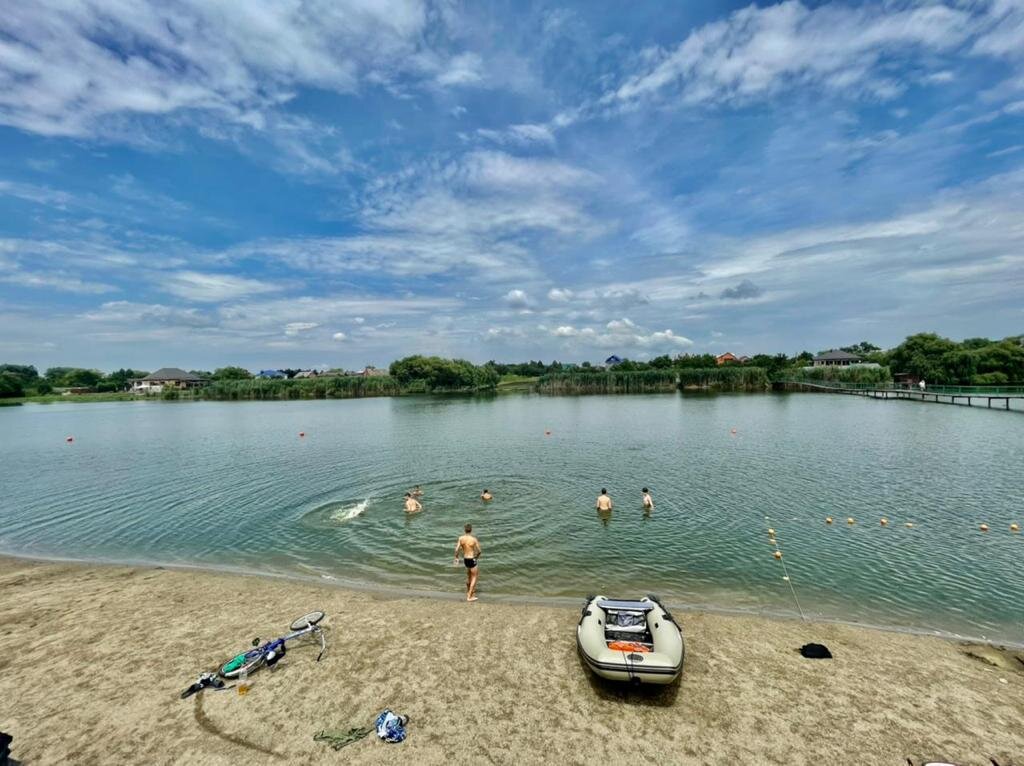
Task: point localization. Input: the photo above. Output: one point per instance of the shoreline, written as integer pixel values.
(104, 651)
(507, 599)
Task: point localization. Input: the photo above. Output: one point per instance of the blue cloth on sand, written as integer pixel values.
(391, 727)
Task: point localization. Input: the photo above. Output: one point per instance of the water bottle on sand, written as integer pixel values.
(243, 682)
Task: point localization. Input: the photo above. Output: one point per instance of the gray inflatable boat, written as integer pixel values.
(630, 640)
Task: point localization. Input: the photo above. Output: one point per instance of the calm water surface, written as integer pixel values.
(233, 484)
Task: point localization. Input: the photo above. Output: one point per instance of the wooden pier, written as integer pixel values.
(968, 396)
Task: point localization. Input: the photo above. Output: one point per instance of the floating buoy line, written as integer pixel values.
(785, 572)
(983, 527)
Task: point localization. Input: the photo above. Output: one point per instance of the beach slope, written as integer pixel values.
(93, 658)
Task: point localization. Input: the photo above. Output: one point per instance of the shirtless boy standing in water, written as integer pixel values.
(469, 547)
(648, 502)
(411, 504)
(604, 503)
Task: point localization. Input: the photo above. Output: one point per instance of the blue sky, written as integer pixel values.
(199, 183)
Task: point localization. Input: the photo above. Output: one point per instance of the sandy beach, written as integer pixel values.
(93, 659)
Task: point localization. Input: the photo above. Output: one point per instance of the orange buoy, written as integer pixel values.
(828, 519)
(983, 527)
(547, 433)
(884, 522)
(302, 433)
(1015, 527)
(70, 439)
(733, 431)
(849, 520)
(777, 554)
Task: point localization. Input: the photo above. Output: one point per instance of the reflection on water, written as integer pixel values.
(233, 485)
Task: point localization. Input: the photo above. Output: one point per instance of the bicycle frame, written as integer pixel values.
(277, 643)
(266, 652)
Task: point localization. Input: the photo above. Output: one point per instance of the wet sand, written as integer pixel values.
(93, 659)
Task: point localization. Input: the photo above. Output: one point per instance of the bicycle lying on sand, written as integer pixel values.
(268, 653)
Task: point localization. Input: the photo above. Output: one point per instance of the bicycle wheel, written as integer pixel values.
(247, 662)
(312, 618)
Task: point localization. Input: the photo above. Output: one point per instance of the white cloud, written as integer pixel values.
(339, 336)
(212, 288)
(517, 299)
(622, 334)
(358, 320)
(464, 69)
(75, 68)
(757, 51)
(295, 328)
(560, 295)
(523, 134)
(55, 281)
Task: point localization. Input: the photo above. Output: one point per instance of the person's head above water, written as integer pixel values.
(604, 491)
(646, 490)
(408, 494)
(468, 528)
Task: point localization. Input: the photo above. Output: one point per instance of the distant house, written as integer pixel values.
(271, 374)
(728, 356)
(743, 359)
(835, 359)
(166, 377)
(372, 372)
(612, 360)
(306, 374)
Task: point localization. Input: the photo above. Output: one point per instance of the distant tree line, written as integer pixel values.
(927, 356)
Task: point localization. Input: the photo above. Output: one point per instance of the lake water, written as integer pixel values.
(234, 485)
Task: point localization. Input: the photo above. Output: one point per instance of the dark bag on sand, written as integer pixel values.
(5, 747)
(815, 652)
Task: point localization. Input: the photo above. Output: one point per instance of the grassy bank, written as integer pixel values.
(258, 389)
(655, 381)
(863, 375)
(107, 396)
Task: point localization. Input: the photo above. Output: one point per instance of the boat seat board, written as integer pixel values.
(625, 606)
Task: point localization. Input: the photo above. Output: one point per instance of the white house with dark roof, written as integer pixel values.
(166, 377)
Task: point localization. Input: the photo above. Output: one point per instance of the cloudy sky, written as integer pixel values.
(340, 182)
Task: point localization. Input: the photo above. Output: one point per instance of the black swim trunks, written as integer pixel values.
(470, 563)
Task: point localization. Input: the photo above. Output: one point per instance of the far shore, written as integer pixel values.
(94, 658)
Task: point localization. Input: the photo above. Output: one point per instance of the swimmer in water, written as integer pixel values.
(411, 504)
(416, 491)
(604, 503)
(486, 495)
(648, 502)
(469, 547)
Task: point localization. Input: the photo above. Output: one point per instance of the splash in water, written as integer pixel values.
(346, 513)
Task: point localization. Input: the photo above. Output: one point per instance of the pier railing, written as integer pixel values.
(959, 390)
(970, 396)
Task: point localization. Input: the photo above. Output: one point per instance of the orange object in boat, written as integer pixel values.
(627, 646)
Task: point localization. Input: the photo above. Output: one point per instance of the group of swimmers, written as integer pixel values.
(468, 546)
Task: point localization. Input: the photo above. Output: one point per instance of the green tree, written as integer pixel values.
(26, 373)
(10, 385)
(231, 373)
(121, 379)
(73, 377)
